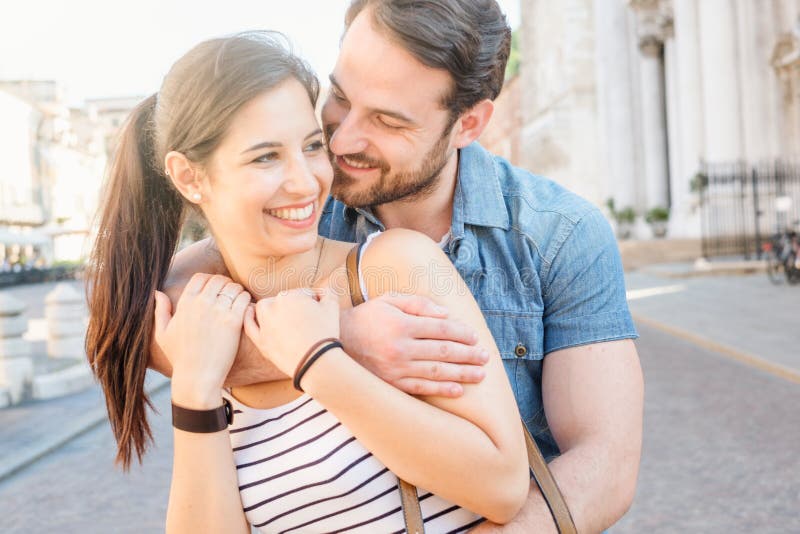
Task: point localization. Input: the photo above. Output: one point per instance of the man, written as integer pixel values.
(411, 92)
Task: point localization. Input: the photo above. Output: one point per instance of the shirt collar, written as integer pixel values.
(478, 197)
(351, 215)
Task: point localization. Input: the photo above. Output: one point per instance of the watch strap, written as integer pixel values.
(202, 421)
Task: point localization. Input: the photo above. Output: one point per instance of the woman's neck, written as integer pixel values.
(266, 276)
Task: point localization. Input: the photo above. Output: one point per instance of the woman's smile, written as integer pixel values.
(297, 216)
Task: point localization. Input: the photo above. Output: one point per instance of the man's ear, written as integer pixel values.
(472, 122)
(184, 176)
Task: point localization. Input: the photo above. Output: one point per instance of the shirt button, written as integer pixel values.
(521, 350)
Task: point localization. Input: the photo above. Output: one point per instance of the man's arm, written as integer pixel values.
(593, 399)
(418, 350)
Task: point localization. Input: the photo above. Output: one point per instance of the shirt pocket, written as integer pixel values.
(518, 335)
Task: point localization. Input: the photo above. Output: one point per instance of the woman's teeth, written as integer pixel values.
(293, 214)
(356, 164)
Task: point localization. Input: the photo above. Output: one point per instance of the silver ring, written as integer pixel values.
(226, 296)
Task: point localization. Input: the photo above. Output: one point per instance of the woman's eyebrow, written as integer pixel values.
(273, 144)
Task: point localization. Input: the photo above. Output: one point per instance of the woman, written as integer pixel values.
(232, 133)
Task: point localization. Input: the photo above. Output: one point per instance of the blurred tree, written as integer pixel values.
(512, 67)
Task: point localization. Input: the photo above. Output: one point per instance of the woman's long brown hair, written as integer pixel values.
(142, 213)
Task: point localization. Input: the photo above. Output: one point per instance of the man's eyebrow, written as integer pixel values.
(273, 144)
(389, 113)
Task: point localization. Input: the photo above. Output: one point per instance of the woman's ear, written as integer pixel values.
(184, 176)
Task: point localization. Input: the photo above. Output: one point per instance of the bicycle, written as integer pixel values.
(782, 253)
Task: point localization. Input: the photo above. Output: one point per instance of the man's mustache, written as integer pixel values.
(358, 157)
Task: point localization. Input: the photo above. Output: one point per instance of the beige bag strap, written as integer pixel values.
(547, 484)
(352, 276)
(541, 473)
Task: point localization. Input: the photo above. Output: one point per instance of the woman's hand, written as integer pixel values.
(201, 338)
(286, 326)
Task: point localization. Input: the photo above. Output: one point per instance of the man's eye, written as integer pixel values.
(389, 124)
(270, 156)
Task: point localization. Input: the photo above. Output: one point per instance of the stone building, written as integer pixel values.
(55, 157)
(627, 99)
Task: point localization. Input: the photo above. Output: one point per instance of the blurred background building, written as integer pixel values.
(53, 157)
(661, 105)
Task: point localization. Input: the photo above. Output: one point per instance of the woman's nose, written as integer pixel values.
(300, 179)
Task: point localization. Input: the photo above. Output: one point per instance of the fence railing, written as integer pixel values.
(743, 205)
(37, 276)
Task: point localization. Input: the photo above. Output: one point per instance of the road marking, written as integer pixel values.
(775, 369)
(635, 294)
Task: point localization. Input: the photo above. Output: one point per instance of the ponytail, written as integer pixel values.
(138, 232)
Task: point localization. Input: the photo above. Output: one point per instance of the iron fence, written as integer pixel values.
(742, 205)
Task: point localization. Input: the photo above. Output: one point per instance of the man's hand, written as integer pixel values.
(409, 342)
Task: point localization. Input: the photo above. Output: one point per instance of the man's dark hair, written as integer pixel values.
(470, 39)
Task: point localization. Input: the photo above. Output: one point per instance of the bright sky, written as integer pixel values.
(100, 48)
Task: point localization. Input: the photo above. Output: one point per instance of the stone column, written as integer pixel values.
(722, 108)
(614, 99)
(654, 118)
(66, 323)
(16, 365)
(758, 81)
(685, 218)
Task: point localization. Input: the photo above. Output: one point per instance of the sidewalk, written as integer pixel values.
(702, 267)
(744, 317)
(33, 429)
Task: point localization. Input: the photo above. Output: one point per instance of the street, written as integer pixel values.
(720, 441)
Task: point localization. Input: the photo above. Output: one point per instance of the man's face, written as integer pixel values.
(388, 132)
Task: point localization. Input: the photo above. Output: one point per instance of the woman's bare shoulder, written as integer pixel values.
(404, 261)
(402, 247)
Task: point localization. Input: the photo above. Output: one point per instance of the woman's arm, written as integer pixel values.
(468, 450)
(204, 494)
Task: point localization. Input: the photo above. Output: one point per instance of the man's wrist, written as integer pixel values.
(345, 329)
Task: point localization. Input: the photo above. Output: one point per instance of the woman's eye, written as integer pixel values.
(315, 146)
(270, 156)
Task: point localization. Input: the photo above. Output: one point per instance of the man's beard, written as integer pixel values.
(390, 187)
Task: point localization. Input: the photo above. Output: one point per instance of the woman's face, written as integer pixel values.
(268, 180)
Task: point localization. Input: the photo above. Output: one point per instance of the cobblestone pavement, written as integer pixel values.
(720, 448)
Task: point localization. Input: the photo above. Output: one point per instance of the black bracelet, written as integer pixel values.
(306, 366)
(202, 421)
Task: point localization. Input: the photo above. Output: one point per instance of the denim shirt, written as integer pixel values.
(542, 263)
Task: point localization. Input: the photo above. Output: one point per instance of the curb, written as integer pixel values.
(751, 360)
(84, 423)
(713, 269)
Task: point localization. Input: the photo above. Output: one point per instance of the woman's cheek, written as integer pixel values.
(323, 170)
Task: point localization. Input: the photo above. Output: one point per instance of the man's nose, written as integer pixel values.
(348, 136)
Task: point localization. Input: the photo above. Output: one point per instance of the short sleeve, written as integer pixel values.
(584, 289)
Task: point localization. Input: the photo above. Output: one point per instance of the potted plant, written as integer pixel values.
(657, 218)
(624, 218)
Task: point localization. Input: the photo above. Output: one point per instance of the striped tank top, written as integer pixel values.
(301, 471)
